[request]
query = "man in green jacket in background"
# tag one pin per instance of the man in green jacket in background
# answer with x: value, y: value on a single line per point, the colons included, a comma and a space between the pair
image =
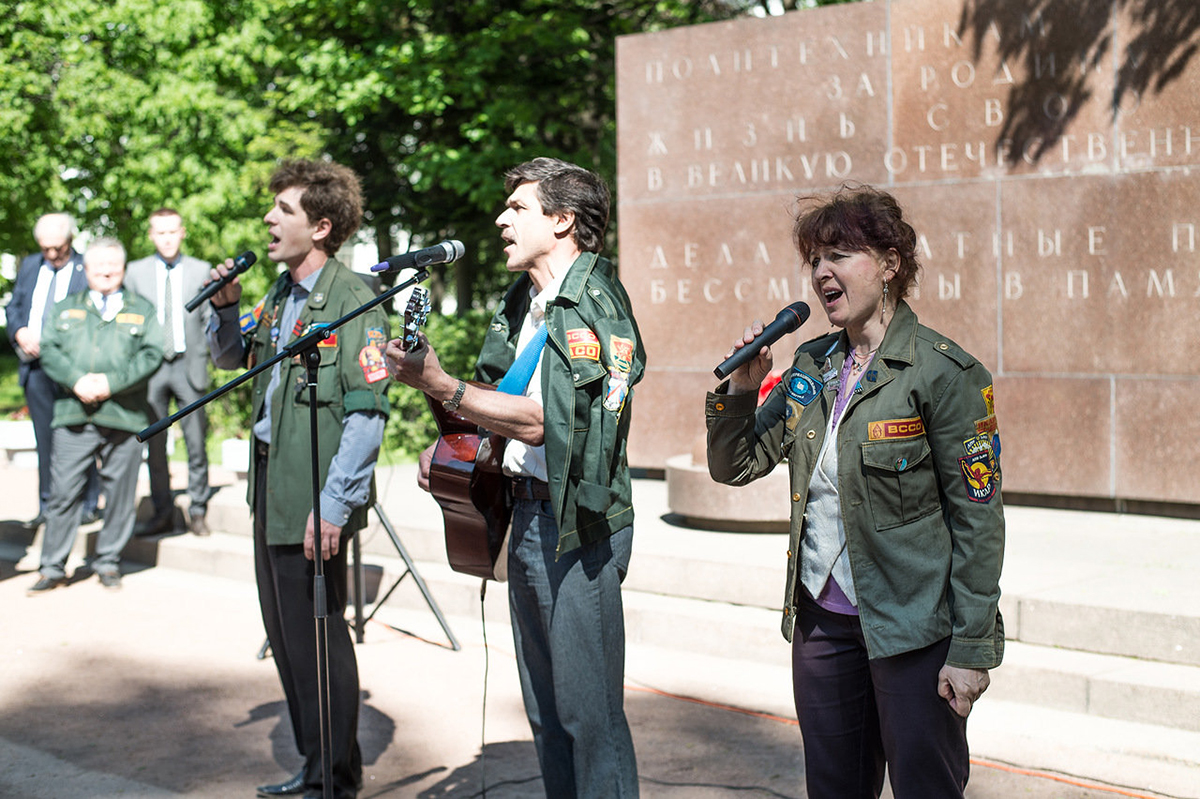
x: 101, y: 345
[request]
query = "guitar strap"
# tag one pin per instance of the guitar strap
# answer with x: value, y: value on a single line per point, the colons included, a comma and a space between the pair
x: 518, y: 375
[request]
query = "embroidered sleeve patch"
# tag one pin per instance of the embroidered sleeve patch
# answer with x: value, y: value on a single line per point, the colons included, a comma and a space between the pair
x: 618, y: 390
x: 895, y: 428
x: 582, y: 343
x: 375, y: 338
x: 374, y: 367
x: 621, y: 352
x: 249, y: 320
x: 988, y: 400
x: 979, y: 475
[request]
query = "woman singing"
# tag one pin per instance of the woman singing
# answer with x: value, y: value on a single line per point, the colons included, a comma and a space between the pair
x: 897, y: 527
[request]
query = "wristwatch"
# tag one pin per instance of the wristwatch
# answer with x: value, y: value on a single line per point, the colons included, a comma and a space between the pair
x: 452, y: 403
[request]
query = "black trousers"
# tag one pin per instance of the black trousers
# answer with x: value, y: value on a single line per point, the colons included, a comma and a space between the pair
x: 856, y: 714
x: 285, y: 595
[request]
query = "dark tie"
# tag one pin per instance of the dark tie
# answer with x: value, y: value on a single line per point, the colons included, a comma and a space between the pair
x: 168, y: 317
x: 50, y: 294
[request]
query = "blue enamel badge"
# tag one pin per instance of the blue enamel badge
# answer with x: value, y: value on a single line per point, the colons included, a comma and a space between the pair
x: 802, y: 387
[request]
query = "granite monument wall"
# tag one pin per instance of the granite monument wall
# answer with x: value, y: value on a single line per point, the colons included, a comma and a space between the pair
x: 1047, y: 155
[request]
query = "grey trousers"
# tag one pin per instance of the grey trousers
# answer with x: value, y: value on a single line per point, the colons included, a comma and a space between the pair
x: 569, y: 632
x: 171, y: 380
x: 75, y: 449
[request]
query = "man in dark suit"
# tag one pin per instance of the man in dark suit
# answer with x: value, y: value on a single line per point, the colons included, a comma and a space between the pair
x: 169, y: 279
x: 43, y: 279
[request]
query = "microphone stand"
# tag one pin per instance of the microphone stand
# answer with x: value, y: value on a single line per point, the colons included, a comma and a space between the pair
x: 306, y: 345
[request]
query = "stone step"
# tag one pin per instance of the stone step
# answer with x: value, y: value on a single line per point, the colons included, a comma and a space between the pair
x: 1108, y: 686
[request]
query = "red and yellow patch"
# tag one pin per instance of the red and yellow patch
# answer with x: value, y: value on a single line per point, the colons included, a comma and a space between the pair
x: 582, y: 343
x: 987, y: 425
x: 895, y: 428
x: 988, y: 400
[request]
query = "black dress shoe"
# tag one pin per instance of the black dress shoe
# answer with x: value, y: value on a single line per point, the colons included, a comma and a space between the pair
x: 159, y: 524
x: 292, y: 787
x: 45, y: 585
x: 198, y: 524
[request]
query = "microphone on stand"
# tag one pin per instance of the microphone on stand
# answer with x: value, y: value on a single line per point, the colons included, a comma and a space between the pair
x: 786, y: 321
x: 444, y: 253
x: 240, y: 264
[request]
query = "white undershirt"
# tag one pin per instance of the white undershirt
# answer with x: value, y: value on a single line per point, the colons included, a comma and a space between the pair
x: 41, y: 290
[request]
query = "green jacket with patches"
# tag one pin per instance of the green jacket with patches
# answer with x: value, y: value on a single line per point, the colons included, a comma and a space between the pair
x: 342, y: 388
x: 592, y: 358
x: 127, y: 350
x: 918, y: 482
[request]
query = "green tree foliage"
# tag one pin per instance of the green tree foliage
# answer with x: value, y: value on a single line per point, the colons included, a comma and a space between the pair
x: 112, y: 108
x: 431, y: 101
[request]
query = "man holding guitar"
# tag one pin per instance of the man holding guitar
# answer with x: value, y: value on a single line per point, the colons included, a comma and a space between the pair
x: 564, y: 347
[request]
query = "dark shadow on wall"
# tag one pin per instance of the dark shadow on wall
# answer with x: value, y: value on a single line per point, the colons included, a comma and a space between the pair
x: 1063, y: 45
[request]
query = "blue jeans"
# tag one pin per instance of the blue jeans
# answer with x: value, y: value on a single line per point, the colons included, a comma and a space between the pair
x: 569, y: 631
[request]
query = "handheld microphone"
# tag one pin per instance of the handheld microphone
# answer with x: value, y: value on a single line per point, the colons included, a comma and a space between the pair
x: 444, y: 253
x: 240, y: 264
x: 786, y: 321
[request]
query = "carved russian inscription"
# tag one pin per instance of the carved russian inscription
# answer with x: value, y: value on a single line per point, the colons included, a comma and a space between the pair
x: 1047, y: 162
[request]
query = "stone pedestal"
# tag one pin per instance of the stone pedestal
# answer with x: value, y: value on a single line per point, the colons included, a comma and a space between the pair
x: 699, y: 501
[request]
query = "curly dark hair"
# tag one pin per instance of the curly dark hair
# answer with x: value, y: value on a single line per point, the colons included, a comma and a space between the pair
x: 859, y: 218
x: 331, y: 191
x: 566, y: 187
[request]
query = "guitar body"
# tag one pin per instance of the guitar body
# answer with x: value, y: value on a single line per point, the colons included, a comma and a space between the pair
x: 465, y: 478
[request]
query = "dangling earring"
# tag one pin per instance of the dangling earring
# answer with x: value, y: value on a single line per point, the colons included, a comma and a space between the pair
x: 883, y: 308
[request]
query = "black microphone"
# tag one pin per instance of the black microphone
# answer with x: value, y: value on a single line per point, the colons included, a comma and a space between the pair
x: 240, y: 264
x: 786, y: 321
x: 443, y: 253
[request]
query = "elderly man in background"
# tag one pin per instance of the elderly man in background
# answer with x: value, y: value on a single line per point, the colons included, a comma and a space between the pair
x: 43, y: 279
x: 101, y: 345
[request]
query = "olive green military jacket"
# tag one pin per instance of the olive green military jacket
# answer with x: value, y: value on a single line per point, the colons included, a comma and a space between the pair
x: 918, y: 481
x: 592, y: 358
x: 352, y: 376
x: 127, y: 350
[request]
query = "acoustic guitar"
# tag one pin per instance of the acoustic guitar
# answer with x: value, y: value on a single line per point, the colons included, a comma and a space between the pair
x: 465, y: 476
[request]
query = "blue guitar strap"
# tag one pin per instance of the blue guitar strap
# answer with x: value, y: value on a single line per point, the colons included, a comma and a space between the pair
x: 517, y: 377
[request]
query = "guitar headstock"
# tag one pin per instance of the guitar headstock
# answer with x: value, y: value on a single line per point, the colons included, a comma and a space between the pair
x: 416, y: 313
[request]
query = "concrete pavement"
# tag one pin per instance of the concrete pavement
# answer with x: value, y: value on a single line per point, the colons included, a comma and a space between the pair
x: 155, y: 691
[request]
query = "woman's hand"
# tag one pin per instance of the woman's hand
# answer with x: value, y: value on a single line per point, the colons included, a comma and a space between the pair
x: 749, y: 376
x: 961, y: 687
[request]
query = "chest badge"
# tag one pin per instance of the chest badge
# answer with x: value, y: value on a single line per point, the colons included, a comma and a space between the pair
x: 801, y: 386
